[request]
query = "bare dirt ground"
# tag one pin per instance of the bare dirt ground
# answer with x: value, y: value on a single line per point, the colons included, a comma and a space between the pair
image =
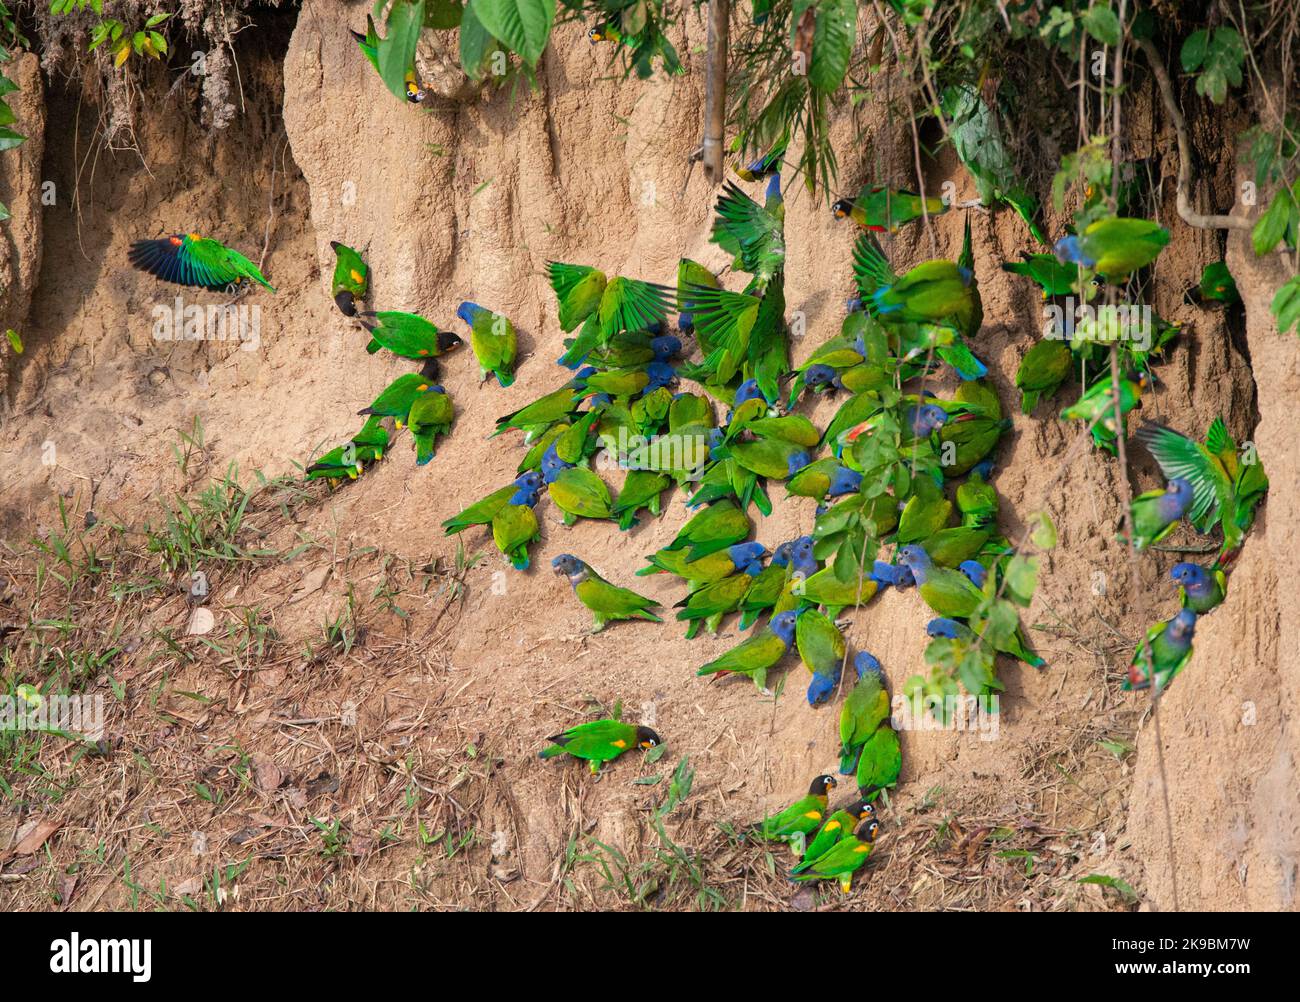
x: 358, y: 728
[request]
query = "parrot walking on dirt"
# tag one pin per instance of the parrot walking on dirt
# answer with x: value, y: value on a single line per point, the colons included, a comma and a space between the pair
x: 481, y: 512
x: 407, y: 335
x: 755, y: 655
x: 493, y: 338
x: 430, y: 415
x: 1165, y: 650
x: 836, y: 828
x: 515, y: 528
x: 349, y: 460
x: 801, y: 818
x: 599, y: 741
x: 351, y: 279
x: 606, y: 601
x: 843, y: 859
x: 189, y: 259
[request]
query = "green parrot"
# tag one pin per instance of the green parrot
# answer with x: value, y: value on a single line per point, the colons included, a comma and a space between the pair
x: 977, y: 500
x: 715, y: 528
x: 580, y: 493
x: 618, y: 304
x: 925, y: 513
x: 536, y: 418
x: 820, y: 643
x: 369, y: 46
x: 398, y: 397
x: 1200, y: 590
x: 707, y: 604
x: 1114, y: 247
x: 189, y: 259
x: 1043, y: 369
x: 407, y: 335
x: 1166, y: 649
x: 885, y: 210
x: 949, y: 593
x: 599, y: 741
x: 745, y: 332
x: 843, y: 859
x: 1155, y: 514
x: 1097, y: 403
x: 837, y: 827
x: 1227, y: 483
x: 430, y: 415
x: 951, y: 546
x: 641, y: 489
x: 607, y: 602
x: 1055, y: 278
x: 351, y: 278
x: 515, y: 528
x: 801, y: 818
x: 755, y: 655
x: 825, y: 588
x: 818, y: 478
x: 1216, y: 286
x: 482, y: 512
x: 880, y: 761
x: 967, y: 440
x: 934, y: 292
x: 707, y: 569
x: 773, y: 458
x: 764, y: 591
x: 766, y: 165
x: 865, y: 710
x: 349, y: 460
x: 493, y: 338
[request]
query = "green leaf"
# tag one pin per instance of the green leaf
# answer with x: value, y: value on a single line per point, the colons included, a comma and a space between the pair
x: 1043, y: 534
x: 1114, y: 883
x: 1273, y: 224
x: 1194, y: 49
x: 442, y: 14
x: 523, y: 26
x: 475, y: 42
x: 4, y: 213
x: 7, y: 116
x: 397, y: 48
x: 1022, y: 578
x: 1286, y: 305
x: 156, y: 20
x: 9, y: 139
x: 1103, y: 25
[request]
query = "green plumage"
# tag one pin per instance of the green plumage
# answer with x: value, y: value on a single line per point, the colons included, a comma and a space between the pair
x: 189, y: 259
x: 843, y: 859
x: 609, y: 602
x: 1043, y: 369
x: 599, y: 741
x: 803, y: 817
x: 407, y: 335
x: 494, y: 341
x: 430, y: 415
x: 1118, y: 246
x: 367, y: 445
x: 821, y: 645
x: 514, y: 529
x: 396, y: 399
x: 580, y: 493
x: 351, y: 279
x: 715, y: 528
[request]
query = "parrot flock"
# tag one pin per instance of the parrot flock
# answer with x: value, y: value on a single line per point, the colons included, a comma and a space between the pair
x: 897, y: 465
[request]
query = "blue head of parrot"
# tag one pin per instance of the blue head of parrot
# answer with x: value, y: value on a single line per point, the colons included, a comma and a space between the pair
x: 781, y: 555
x: 743, y: 554
x: 530, y: 481
x: 865, y: 663
x: 802, y: 560
x: 552, y: 464
x: 1191, y: 576
x: 975, y: 571
x: 524, y: 496
x: 854, y: 305
x: 821, y: 687
x: 966, y: 274
x: 686, y: 323
x: 926, y: 419
x: 467, y: 311
x: 569, y: 566
x: 1181, y: 628
x: 796, y: 462
x: 579, y: 381
x: 665, y: 346
x: 817, y: 376
x: 1068, y: 249
x: 984, y: 468
x: 714, y: 441
x: 884, y: 573
x: 661, y: 374
x: 783, y: 626
x: 916, y: 560
x: 844, y: 481
x: 748, y: 390
x: 941, y: 626
x: 1177, y: 499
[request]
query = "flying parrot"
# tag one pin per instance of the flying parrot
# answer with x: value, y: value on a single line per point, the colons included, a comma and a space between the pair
x: 189, y: 259
x: 607, y: 602
x: 884, y: 210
